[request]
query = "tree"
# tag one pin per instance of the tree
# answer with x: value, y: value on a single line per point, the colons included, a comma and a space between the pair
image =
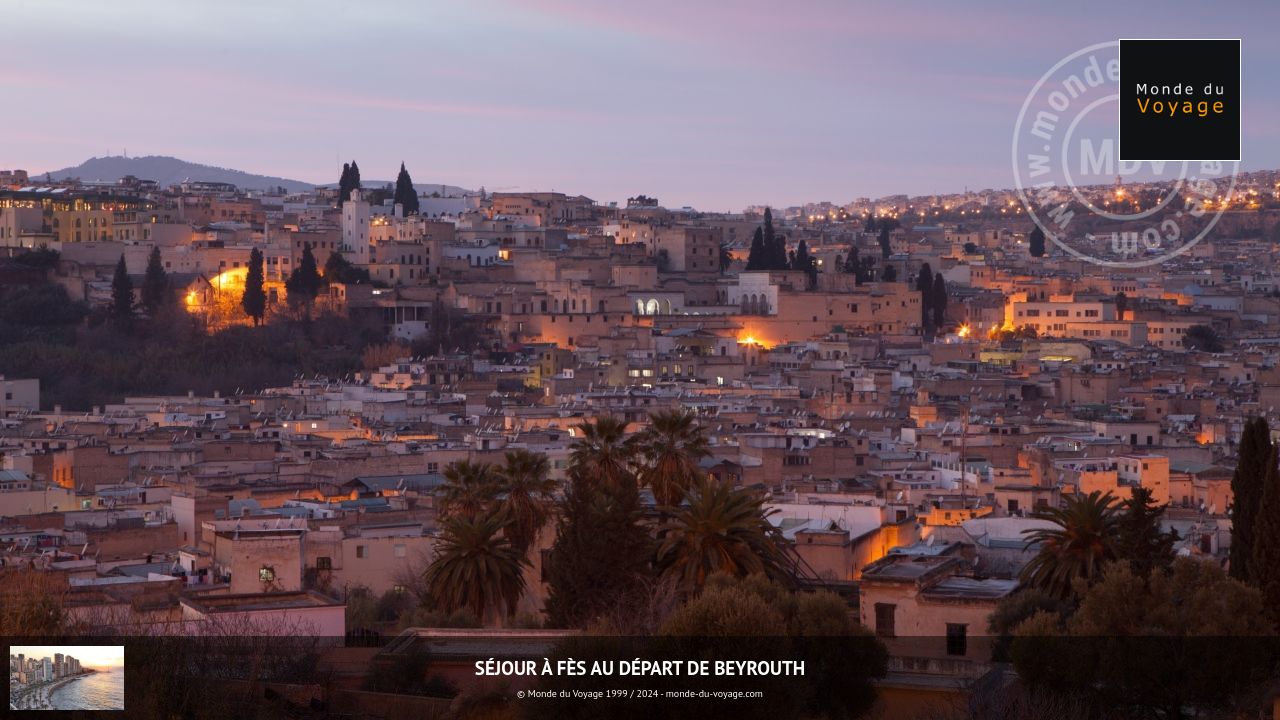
x: 1140, y: 540
x: 1035, y: 242
x: 304, y: 282
x: 775, y: 246
x: 938, y: 299
x: 924, y: 285
x: 1189, y: 637
x: 406, y: 196
x: 337, y: 269
x: 476, y: 567
x: 1122, y: 302
x: 885, y: 248
x: 121, y: 307
x: 602, y: 554
x: 1203, y: 338
x: 970, y: 249
x: 526, y: 496
x: 1083, y: 541
x: 155, y: 284
x: 349, y: 181
x: 721, y: 529
x: 469, y: 488
x: 889, y: 274
x: 726, y: 258
x: 1246, y: 489
x: 1266, y: 541
x: 254, y: 300
x: 602, y: 454
x: 756, y: 258
x: 671, y: 448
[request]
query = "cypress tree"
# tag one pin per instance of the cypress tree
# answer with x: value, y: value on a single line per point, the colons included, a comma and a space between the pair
x: 155, y: 284
x: 1246, y: 488
x: 601, y: 555
x: 405, y: 195
x: 121, y: 307
x: 939, y: 300
x: 254, y: 300
x: 304, y: 282
x: 344, y: 183
x: 885, y: 249
x: 924, y: 285
x: 889, y: 274
x: 1036, y: 242
x: 775, y: 247
x: 756, y: 259
x: 1265, y: 564
x: 1140, y: 541
x: 355, y: 176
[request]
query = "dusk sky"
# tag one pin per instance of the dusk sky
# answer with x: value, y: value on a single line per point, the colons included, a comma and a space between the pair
x: 712, y: 104
x: 98, y: 656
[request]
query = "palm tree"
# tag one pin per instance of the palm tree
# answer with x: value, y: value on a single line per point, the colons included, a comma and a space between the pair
x: 720, y: 529
x: 671, y: 447
x: 469, y: 488
x: 526, y: 495
x: 602, y: 454
x: 476, y: 566
x: 1083, y: 541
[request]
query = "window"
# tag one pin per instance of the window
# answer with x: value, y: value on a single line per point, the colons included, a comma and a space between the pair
x: 267, y: 574
x: 884, y: 619
x: 957, y: 639
x: 360, y: 551
x: 399, y: 551
x: 324, y: 563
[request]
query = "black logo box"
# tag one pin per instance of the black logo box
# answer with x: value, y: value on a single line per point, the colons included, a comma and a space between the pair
x: 1186, y: 65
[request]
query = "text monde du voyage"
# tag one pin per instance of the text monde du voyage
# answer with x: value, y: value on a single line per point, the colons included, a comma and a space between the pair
x: 1181, y: 99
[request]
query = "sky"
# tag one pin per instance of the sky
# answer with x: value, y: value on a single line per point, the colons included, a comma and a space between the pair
x: 96, y: 656
x: 707, y: 103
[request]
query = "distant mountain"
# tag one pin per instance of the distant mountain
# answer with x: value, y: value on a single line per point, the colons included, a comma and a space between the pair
x: 168, y: 171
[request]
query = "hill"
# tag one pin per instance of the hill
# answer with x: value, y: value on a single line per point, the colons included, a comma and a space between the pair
x: 168, y: 171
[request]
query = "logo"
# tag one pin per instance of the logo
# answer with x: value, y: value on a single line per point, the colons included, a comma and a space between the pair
x: 1085, y: 199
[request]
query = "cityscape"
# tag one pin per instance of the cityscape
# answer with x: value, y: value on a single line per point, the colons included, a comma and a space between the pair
x: 400, y: 420
x: 49, y: 682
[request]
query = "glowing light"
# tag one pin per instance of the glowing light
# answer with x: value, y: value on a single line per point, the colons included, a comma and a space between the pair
x: 964, y: 331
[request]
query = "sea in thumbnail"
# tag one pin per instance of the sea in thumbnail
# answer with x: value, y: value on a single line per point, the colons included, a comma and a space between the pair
x: 102, y: 690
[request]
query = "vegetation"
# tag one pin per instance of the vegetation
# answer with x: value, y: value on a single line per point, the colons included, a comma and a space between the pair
x: 254, y: 300
x: 304, y: 283
x: 469, y: 489
x: 671, y: 448
x: 1187, y: 639
x: 1246, y: 487
x: 526, y: 496
x: 1035, y: 242
x: 349, y: 181
x: 768, y: 250
x: 156, y: 292
x: 1265, y: 566
x: 938, y: 300
x: 406, y: 196
x: 1083, y: 541
x: 121, y: 307
x: 476, y: 566
x: 338, y: 269
x: 1203, y: 338
x: 721, y: 529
